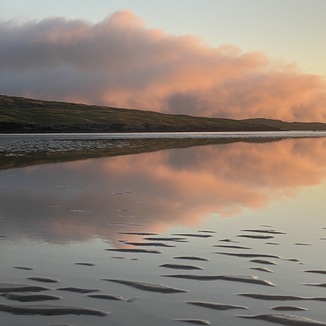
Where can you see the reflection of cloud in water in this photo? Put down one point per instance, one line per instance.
(79, 200)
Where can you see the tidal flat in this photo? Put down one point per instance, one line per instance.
(162, 231)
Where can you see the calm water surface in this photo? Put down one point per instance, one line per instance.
(215, 198)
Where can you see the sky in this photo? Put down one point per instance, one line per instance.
(217, 58)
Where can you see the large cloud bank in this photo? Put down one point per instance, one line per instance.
(121, 62)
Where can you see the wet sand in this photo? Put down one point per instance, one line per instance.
(132, 261)
(30, 293)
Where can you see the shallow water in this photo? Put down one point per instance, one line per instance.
(211, 213)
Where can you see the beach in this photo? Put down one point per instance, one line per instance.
(221, 234)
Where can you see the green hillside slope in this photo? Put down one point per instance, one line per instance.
(19, 114)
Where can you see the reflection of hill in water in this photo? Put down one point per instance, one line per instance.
(30, 153)
(80, 200)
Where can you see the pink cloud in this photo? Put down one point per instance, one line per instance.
(121, 62)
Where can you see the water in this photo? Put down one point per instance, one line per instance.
(91, 193)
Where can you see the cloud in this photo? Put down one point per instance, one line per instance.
(121, 62)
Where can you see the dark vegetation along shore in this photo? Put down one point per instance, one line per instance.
(22, 115)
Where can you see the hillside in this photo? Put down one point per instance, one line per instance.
(287, 126)
(19, 114)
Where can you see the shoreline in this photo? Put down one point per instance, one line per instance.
(179, 134)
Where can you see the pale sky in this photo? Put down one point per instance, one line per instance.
(218, 58)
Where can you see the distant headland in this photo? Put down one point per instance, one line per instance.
(23, 115)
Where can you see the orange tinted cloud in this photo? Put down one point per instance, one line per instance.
(121, 62)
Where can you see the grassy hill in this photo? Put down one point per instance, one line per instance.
(19, 114)
(281, 125)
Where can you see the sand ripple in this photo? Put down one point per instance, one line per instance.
(228, 240)
(106, 297)
(195, 235)
(45, 310)
(191, 258)
(322, 285)
(279, 297)
(30, 297)
(194, 321)
(317, 271)
(243, 279)
(43, 279)
(153, 287)
(251, 236)
(136, 251)
(177, 266)
(248, 255)
(264, 231)
(262, 269)
(78, 290)
(216, 306)
(137, 233)
(173, 239)
(288, 308)
(263, 261)
(231, 247)
(149, 244)
(85, 264)
(12, 287)
(287, 320)
(24, 268)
